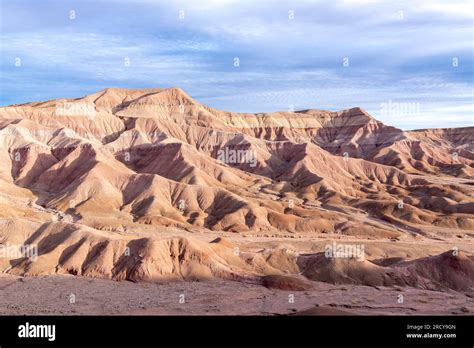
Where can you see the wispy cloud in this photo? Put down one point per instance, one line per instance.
(301, 54)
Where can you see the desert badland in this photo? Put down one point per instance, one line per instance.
(151, 189)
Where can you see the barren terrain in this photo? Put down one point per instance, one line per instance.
(129, 198)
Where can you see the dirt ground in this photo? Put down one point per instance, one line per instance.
(70, 295)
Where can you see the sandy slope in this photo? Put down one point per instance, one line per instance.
(132, 185)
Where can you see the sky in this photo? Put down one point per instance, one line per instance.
(410, 64)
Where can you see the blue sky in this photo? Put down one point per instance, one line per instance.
(416, 56)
